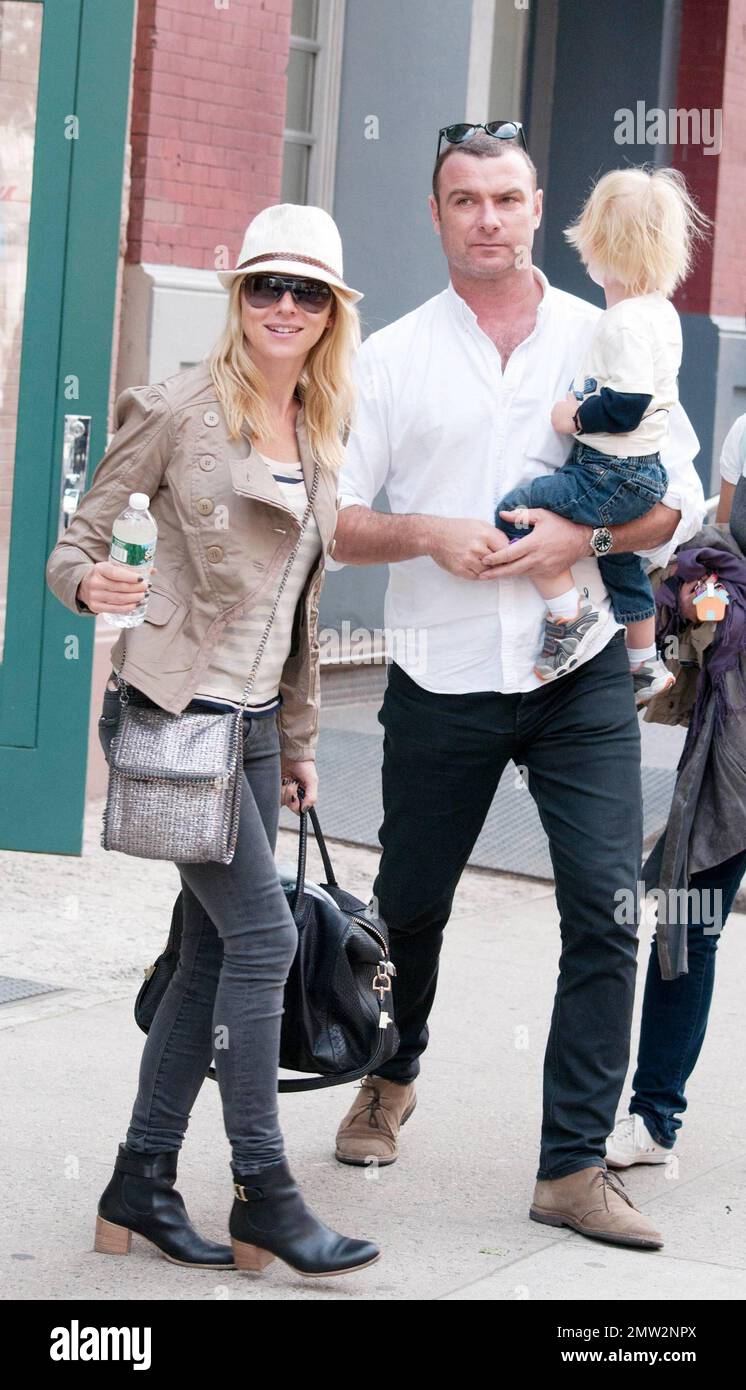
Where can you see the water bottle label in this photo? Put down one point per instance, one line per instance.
(131, 553)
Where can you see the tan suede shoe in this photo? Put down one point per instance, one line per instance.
(370, 1130)
(593, 1202)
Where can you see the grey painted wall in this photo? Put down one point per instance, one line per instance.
(405, 64)
(626, 39)
(639, 38)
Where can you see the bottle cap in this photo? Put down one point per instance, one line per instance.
(140, 501)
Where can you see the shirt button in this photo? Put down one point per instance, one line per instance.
(205, 506)
(211, 417)
(214, 553)
(207, 462)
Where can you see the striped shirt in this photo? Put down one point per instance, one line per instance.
(223, 681)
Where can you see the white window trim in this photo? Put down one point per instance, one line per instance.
(480, 61)
(327, 80)
(478, 104)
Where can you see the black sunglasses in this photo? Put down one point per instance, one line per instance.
(501, 130)
(263, 290)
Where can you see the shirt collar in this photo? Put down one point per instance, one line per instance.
(466, 314)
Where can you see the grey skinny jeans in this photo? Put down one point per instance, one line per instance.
(225, 999)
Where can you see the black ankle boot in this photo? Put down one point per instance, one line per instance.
(140, 1197)
(269, 1217)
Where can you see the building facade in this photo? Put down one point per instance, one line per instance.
(139, 137)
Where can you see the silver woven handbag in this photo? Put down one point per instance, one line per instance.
(175, 779)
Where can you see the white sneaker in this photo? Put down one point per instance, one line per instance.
(631, 1142)
(650, 680)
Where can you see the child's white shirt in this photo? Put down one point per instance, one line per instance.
(636, 349)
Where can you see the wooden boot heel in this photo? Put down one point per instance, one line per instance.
(250, 1257)
(111, 1239)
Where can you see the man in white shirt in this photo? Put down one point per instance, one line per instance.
(732, 470)
(454, 409)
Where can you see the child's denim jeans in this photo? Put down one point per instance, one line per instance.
(598, 489)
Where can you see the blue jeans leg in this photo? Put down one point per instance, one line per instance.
(675, 1013)
(575, 494)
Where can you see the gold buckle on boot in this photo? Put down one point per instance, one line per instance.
(240, 1191)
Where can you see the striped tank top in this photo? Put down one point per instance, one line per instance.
(222, 683)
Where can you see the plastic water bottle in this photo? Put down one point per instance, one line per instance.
(133, 544)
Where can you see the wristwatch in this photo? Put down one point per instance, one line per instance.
(601, 541)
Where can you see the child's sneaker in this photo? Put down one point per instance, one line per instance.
(565, 640)
(651, 678)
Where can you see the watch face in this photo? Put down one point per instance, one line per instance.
(602, 540)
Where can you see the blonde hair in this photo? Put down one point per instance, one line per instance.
(641, 226)
(326, 383)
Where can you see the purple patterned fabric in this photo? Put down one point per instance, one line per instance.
(730, 637)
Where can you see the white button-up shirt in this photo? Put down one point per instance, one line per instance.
(447, 432)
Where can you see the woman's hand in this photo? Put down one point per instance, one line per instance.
(113, 588)
(302, 774)
(686, 607)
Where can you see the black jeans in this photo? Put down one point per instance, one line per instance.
(225, 998)
(579, 740)
(675, 1013)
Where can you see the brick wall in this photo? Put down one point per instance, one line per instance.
(208, 113)
(700, 86)
(729, 259)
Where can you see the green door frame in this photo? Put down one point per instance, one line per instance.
(73, 250)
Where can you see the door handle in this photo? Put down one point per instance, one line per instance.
(76, 443)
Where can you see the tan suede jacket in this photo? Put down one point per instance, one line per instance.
(224, 536)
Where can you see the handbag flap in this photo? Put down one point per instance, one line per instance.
(152, 744)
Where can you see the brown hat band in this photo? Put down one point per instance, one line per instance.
(288, 256)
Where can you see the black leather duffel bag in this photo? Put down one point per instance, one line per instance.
(338, 1020)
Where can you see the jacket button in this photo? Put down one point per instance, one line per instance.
(205, 506)
(214, 553)
(211, 417)
(332, 544)
(207, 462)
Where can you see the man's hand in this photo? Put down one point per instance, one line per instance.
(459, 544)
(293, 775)
(563, 413)
(554, 545)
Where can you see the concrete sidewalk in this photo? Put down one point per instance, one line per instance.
(451, 1215)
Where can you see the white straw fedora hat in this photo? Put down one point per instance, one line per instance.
(292, 239)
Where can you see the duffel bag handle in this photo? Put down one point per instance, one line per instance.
(302, 852)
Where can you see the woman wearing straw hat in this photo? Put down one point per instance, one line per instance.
(227, 452)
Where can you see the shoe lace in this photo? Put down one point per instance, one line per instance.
(613, 1181)
(375, 1109)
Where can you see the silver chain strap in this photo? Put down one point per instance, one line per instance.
(123, 692)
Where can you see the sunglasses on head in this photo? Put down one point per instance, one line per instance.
(501, 130)
(262, 290)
